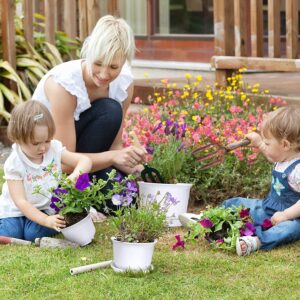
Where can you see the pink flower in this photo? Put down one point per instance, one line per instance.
(248, 229)
(179, 243)
(266, 224)
(244, 213)
(207, 223)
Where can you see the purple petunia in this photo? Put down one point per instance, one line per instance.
(131, 186)
(207, 223)
(179, 243)
(266, 224)
(117, 199)
(244, 213)
(82, 182)
(55, 200)
(118, 177)
(248, 229)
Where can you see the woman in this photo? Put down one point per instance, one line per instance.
(89, 97)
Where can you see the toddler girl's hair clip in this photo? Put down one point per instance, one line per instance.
(38, 117)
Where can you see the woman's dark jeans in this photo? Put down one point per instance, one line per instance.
(96, 130)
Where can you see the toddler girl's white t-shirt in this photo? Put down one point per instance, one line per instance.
(19, 167)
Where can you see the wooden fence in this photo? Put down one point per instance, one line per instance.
(75, 17)
(239, 37)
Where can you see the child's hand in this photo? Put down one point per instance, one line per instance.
(255, 138)
(279, 217)
(56, 222)
(73, 176)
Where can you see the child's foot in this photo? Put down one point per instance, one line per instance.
(246, 245)
(189, 218)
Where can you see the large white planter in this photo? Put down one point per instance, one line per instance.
(180, 191)
(82, 232)
(132, 256)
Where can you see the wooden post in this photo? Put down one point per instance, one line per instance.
(70, 21)
(28, 21)
(291, 28)
(240, 24)
(257, 39)
(50, 6)
(93, 13)
(224, 35)
(113, 8)
(8, 31)
(83, 23)
(274, 28)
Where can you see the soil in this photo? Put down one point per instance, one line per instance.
(73, 218)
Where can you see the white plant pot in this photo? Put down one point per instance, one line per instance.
(180, 191)
(82, 232)
(132, 256)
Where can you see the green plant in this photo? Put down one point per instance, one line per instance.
(143, 221)
(78, 197)
(170, 158)
(221, 226)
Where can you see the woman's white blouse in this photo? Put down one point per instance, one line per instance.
(69, 76)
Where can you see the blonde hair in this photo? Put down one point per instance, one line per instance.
(25, 117)
(283, 123)
(110, 36)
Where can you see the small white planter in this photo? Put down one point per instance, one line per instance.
(132, 256)
(180, 191)
(82, 232)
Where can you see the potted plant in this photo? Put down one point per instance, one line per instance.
(73, 200)
(170, 154)
(137, 228)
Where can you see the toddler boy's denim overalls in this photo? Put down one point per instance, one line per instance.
(279, 198)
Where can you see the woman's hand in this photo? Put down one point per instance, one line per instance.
(56, 222)
(130, 157)
(279, 217)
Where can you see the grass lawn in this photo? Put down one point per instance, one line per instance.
(29, 272)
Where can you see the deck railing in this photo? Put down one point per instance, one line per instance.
(240, 39)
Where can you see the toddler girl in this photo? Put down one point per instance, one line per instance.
(22, 214)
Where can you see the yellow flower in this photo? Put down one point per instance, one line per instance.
(187, 86)
(174, 84)
(187, 76)
(198, 77)
(267, 91)
(145, 110)
(243, 97)
(158, 99)
(146, 74)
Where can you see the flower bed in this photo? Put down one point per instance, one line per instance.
(217, 115)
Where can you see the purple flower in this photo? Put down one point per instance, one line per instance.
(150, 150)
(244, 213)
(157, 128)
(117, 199)
(207, 223)
(127, 199)
(131, 186)
(82, 182)
(118, 177)
(266, 224)
(170, 198)
(179, 243)
(248, 229)
(54, 200)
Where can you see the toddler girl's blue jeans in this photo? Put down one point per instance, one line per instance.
(283, 233)
(23, 228)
